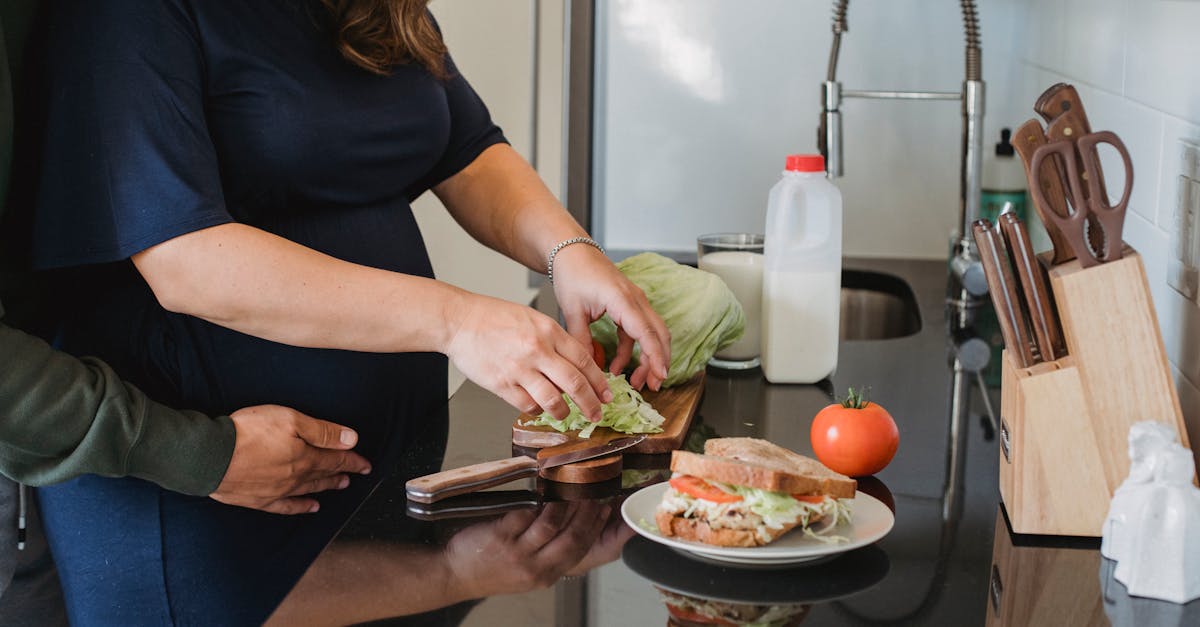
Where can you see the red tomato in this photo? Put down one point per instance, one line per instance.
(598, 353)
(809, 498)
(856, 438)
(699, 488)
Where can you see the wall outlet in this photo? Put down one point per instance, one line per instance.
(1189, 159)
(1183, 267)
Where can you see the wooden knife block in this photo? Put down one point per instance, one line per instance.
(1064, 425)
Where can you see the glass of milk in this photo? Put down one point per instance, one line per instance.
(738, 259)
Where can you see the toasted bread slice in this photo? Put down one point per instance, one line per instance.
(698, 530)
(759, 464)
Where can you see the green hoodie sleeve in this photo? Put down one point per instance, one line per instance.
(61, 417)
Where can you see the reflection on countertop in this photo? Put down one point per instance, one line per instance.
(934, 568)
(1127, 611)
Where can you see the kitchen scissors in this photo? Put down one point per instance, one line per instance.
(1077, 160)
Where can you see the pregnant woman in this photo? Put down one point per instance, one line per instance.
(225, 191)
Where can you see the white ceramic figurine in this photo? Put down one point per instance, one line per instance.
(1153, 526)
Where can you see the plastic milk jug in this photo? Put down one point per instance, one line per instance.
(802, 274)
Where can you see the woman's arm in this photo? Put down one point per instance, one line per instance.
(257, 283)
(500, 200)
(261, 284)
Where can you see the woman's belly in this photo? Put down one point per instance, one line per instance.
(124, 543)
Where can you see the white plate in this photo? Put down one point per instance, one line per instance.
(871, 520)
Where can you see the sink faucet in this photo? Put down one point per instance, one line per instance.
(967, 286)
(971, 284)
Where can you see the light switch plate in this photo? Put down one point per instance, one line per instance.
(1183, 266)
(1181, 257)
(1191, 159)
(1193, 212)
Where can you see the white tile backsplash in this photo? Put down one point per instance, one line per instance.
(1045, 32)
(1163, 46)
(1189, 399)
(1180, 320)
(1094, 42)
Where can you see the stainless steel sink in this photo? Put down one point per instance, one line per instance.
(877, 306)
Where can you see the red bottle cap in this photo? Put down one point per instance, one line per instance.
(805, 163)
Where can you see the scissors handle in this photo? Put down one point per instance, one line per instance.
(1064, 151)
(1088, 149)
(1092, 202)
(1110, 215)
(1071, 222)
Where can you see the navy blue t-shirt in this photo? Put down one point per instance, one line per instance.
(169, 116)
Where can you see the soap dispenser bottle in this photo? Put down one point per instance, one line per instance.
(802, 274)
(1003, 181)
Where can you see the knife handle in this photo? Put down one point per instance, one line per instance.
(1059, 99)
(1032, 280)
(479, 505)
(435, 487)
(1003, 291)
(1026, 140)
(1062, 100)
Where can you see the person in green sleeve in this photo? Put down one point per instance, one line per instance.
(62, 417)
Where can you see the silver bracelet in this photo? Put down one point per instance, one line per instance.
(563, 244)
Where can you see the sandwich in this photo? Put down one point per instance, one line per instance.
(748, 492)
(687, 611)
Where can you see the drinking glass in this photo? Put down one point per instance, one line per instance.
(738, 259)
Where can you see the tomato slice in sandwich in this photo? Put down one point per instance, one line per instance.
(701, 489)
(816, 499)
(696, 617)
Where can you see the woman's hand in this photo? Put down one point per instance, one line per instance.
(500, 201)
(525, 358)
(607, 547)
(526, 550)
(588, 285)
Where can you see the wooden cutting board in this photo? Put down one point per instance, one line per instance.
(677, 405)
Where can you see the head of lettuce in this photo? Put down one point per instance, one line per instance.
(700, 311)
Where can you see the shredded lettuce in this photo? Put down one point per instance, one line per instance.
(634, 477)
(735, 613)
(777, 509)
(628, 412)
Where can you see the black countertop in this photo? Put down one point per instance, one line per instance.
(949, 560)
